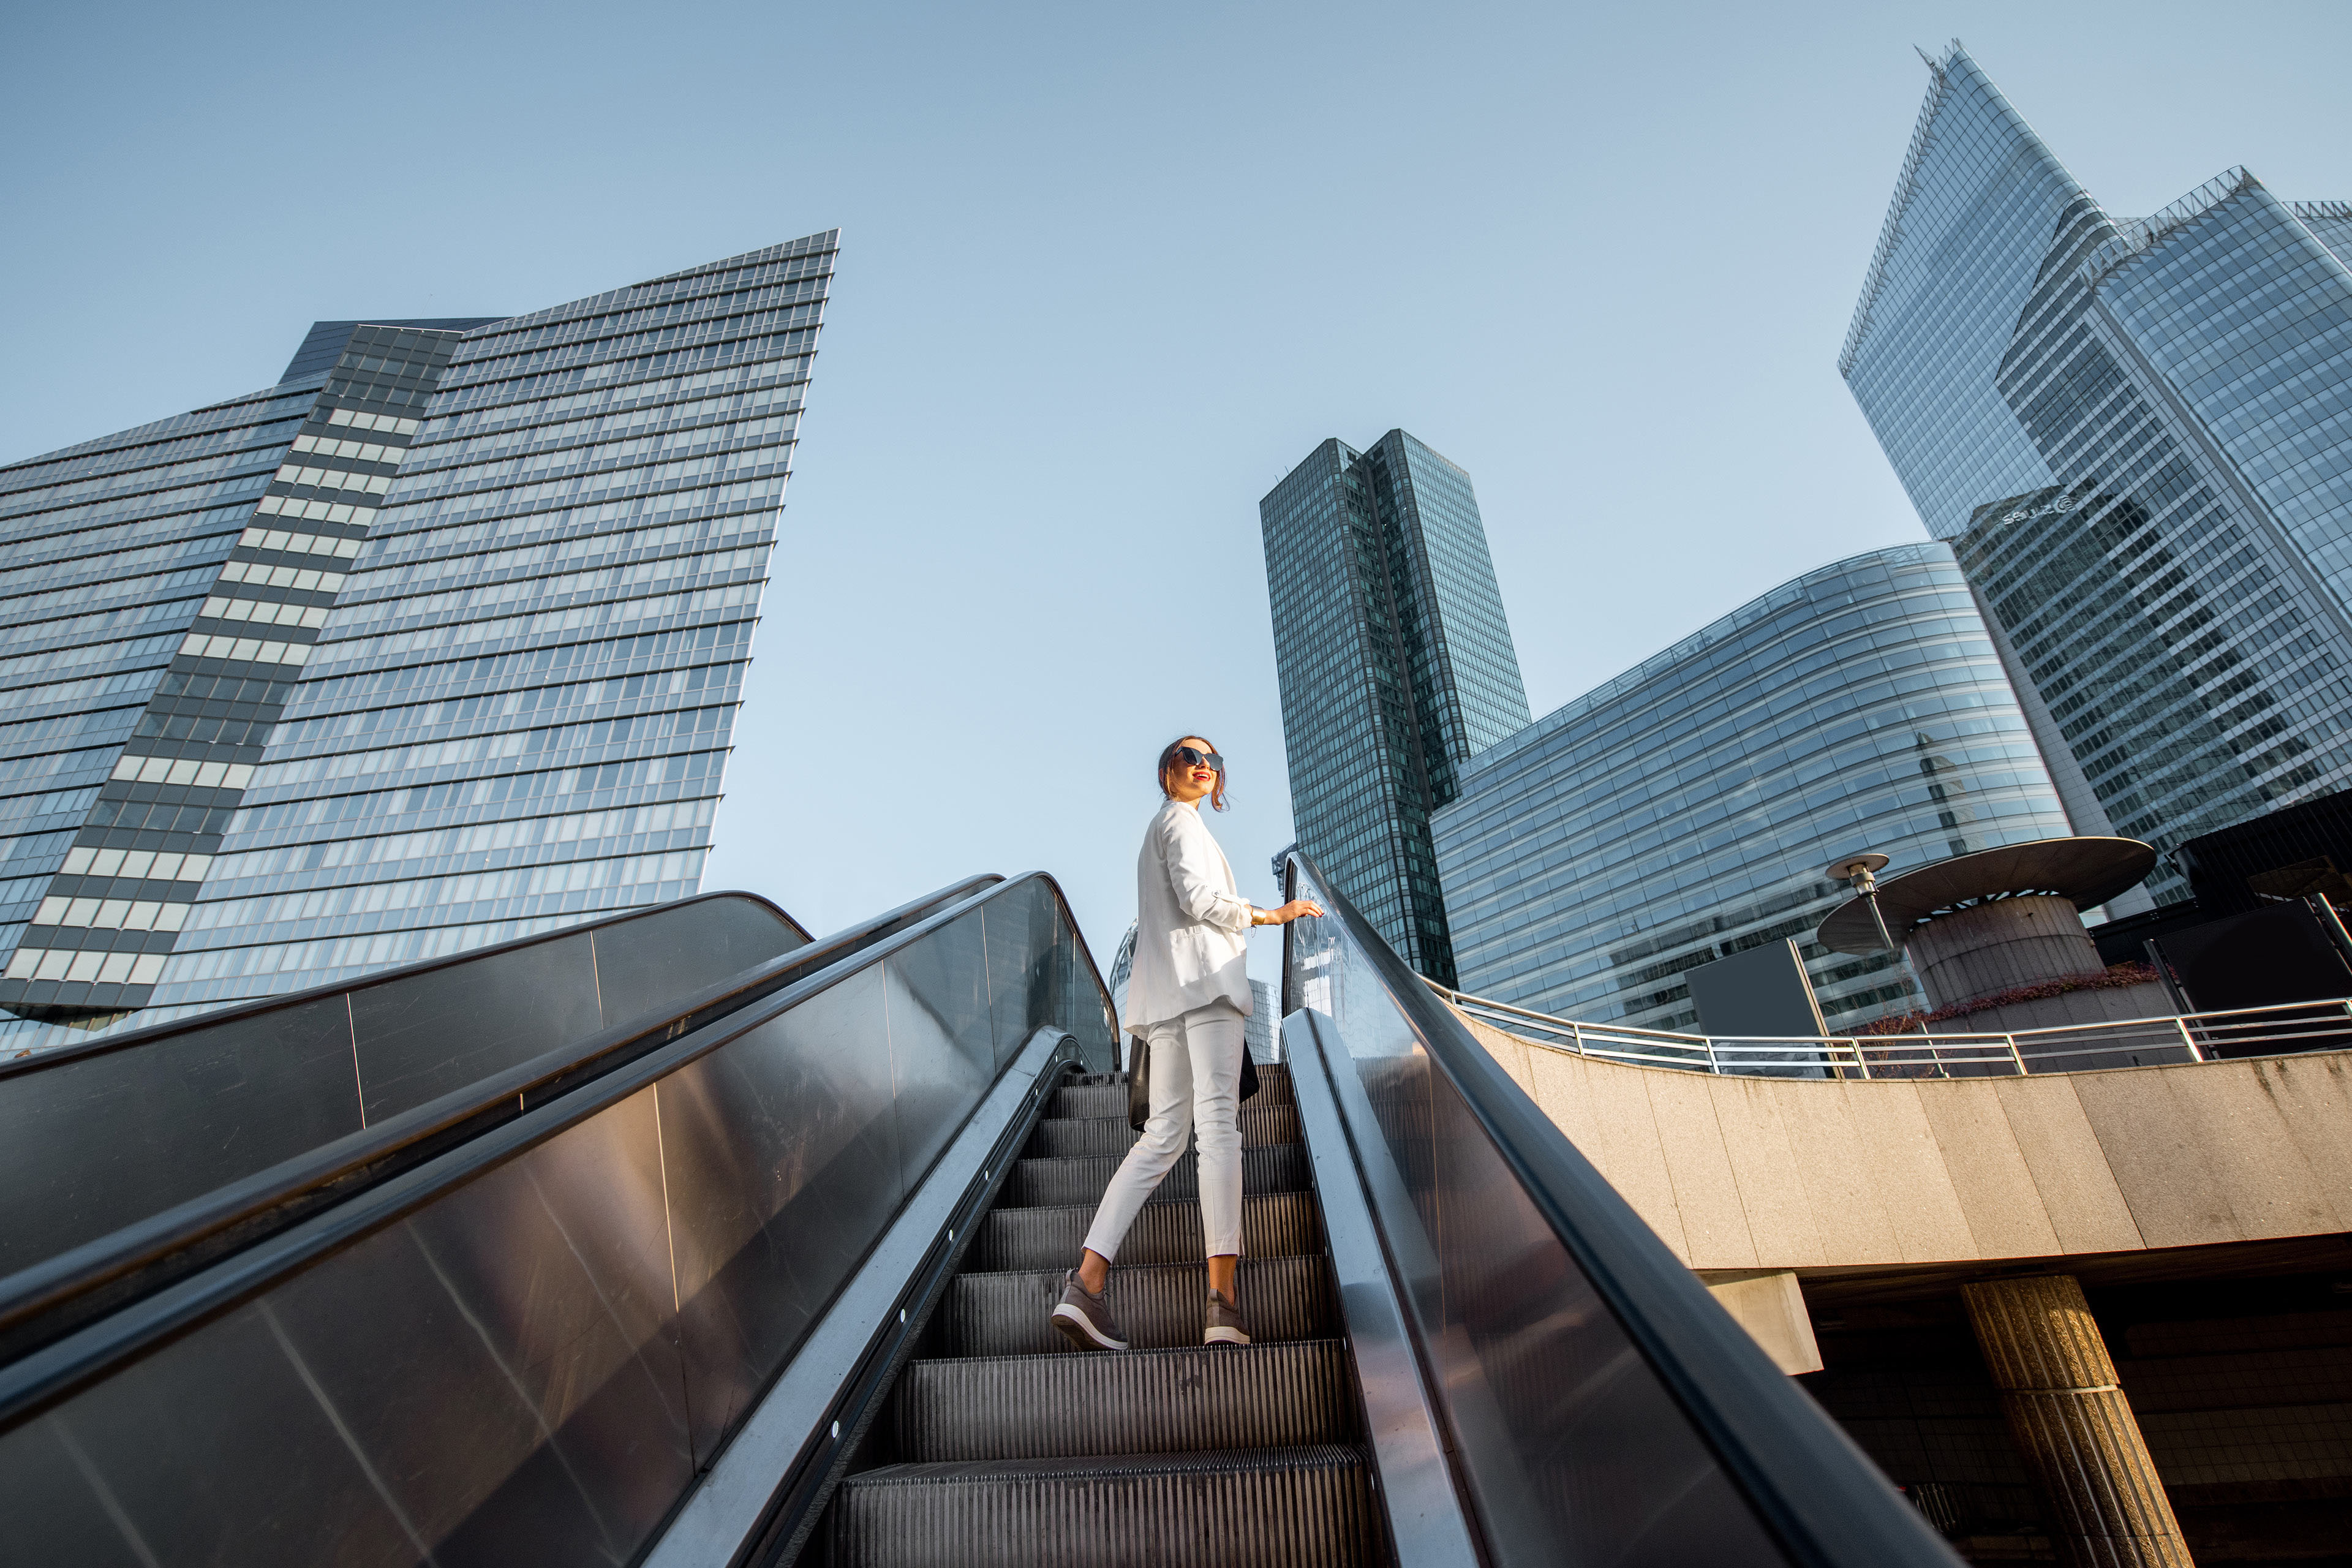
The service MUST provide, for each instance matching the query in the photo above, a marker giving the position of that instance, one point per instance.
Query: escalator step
(1274, 1224)
(1159, 1305)
(1145, 1402)
(1099, 1095)
(1079, 1098)
(1078, 1138)
(1049, 1183)
(1282, 1508)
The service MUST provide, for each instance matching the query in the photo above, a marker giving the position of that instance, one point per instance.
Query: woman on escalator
(1187, 997)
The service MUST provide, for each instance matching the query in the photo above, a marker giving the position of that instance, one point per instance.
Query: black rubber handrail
(66, 1056)
(32, 1382)
(50, 1298)
(1815, 1491)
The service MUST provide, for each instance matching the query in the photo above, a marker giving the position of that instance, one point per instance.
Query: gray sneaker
(1085, 1319)
(1227, 1325)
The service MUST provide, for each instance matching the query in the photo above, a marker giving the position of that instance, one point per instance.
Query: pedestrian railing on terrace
(2071, 1047)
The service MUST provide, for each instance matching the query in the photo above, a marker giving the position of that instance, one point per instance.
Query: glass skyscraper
(436, 642)
(1396, 668)
(2138, 436)
(1686, 810)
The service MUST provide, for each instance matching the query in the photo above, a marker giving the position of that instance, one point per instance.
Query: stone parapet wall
(1819, 1174)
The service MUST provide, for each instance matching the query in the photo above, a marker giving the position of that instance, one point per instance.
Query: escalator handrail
(35, 1382)
(50, 1298)
(1815, 1491)
(66, 1056)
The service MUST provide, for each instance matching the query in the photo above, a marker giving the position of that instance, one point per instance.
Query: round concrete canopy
(2089, 871)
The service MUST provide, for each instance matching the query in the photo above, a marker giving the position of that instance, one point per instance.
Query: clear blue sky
(1107, 271)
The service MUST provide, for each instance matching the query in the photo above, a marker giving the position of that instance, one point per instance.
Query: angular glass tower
(1396, 666)
(435, 643)
(2138, 436)
(1685, 811)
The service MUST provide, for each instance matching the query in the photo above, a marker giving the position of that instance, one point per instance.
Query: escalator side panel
(458, 1343)
(103, 1508)
(416, 1041)
(375, 1405)
(1600, 1407)
(644, 965)
(1082, 997)
(1570, 1447)
(943, 1053)
(1582, 1452)
(788, 1152)
(418, 1038)
(85, 1151)
(782, 1155)
(769, 1485)
(102, 1138)
(1023, 932)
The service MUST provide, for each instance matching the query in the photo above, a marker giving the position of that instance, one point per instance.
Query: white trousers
(1196, 1071)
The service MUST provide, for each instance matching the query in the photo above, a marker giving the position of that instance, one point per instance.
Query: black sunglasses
(1193, 758)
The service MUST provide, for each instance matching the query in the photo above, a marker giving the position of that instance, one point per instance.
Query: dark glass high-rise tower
(1396, 667)
(2136, 435)
(436, 643)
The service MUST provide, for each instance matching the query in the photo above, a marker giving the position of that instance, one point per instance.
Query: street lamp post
(1860, 873)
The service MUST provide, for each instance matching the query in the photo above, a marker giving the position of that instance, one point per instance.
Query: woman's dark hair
(1168, 763)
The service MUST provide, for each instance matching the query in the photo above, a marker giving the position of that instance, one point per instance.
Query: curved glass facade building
(2138, 436)
(1685, 810)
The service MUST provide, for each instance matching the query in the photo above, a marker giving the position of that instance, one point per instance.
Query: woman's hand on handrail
(1297, 909)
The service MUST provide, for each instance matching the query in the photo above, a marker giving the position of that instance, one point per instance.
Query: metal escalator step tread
(1068, 1137)
(1267, 1508)
(1107, 1089)
(1101, 1096)
(1274, 1224)
(1075, 1099)
(1145, 1402)
(1158, 1305)
(1052, 1184)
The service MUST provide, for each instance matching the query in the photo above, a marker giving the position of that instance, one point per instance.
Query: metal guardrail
(2280, 1030)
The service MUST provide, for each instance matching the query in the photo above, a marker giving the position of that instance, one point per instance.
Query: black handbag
(1139, 1080)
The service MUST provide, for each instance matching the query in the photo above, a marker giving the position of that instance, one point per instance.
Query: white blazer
(1191, 925)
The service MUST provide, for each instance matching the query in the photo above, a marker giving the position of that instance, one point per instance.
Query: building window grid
(746, 418)
(1545, 911)
(2225, 303)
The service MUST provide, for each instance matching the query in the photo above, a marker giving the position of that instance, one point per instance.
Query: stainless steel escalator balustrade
(1601, 1408)
(134, 1161)
(525, 1349)
(95, 1136)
